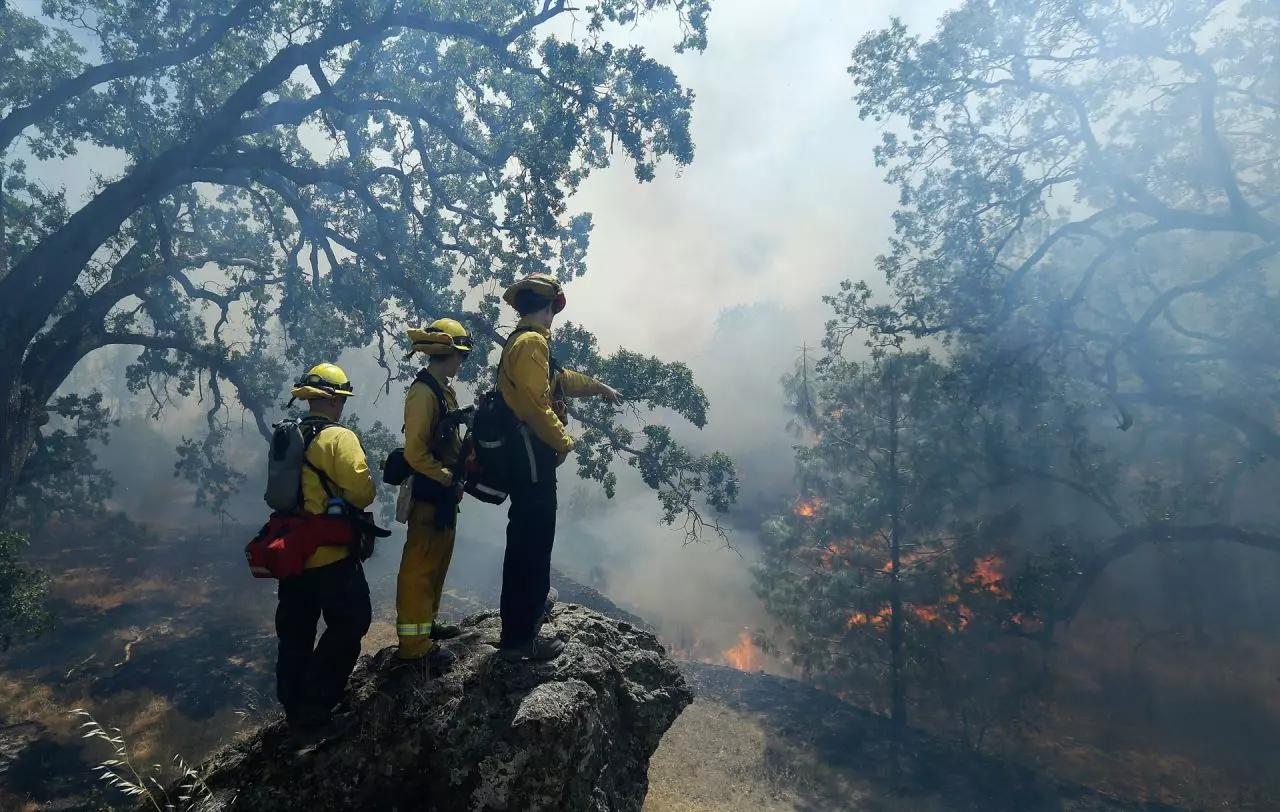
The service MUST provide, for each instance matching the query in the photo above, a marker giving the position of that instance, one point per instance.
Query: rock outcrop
(574, 734)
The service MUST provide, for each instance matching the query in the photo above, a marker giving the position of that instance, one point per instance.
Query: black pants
(316, 675)
(526, 567)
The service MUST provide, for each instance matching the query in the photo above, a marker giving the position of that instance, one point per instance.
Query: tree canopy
(302, 178)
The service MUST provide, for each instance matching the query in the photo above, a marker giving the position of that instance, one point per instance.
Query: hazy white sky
(782, 200)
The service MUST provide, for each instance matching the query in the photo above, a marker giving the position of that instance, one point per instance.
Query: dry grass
(714, 759)
(381, 634)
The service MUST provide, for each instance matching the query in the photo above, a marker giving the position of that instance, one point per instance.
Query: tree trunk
(898, 706)
(18, 430)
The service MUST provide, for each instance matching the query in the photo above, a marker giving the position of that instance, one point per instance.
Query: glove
(561, 457)
(446, 517)
(447, 509)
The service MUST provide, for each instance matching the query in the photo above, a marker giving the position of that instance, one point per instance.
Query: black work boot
(444, 631)
(552, 596)
(539, 648)
(308, 718)
(436, 661)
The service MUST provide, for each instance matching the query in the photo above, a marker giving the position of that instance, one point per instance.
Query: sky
(781, 202)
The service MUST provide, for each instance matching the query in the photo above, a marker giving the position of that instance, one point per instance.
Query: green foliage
(313, 176)
(22, 593)
(61, 476)
(146, 785)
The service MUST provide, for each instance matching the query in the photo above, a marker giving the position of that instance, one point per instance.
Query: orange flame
(693, 653)
(745, 656)
(879, 620)
(808, 509)
(987, 577)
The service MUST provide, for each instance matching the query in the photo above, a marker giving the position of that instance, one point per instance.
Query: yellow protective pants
(423, 566)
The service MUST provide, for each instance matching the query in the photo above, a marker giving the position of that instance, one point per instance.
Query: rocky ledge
(572, 734)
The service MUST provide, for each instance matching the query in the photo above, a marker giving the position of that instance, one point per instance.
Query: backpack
(281, 548)
(503, 446)
(396, 469)
(290, 439)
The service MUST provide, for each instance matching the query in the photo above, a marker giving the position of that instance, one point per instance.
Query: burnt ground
(849, 738)
(171, 639)
(167, 636)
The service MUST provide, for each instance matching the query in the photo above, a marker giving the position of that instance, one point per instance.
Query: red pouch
(280, 550)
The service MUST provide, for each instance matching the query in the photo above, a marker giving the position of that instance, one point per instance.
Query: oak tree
(295, 179)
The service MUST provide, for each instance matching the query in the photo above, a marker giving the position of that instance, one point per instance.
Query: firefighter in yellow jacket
(433, 451)
(311, 677)
(533, 388)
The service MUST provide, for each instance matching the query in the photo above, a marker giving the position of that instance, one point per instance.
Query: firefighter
(532, 388)
(311, 677)
(433, 451)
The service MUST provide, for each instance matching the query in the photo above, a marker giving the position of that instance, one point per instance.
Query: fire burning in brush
(694, 652)
(880, 620)
(809, 508)
(984, 577)
(744, 656)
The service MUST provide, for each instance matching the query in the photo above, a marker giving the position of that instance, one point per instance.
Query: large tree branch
(53, 355)
(208, 357)
(20, 118)
(1215, 147)
(44, 276)
(1127, 186)
(295, 111)
(1260, 434)
(1016, 475)
(1163, 301)
(1124, 543)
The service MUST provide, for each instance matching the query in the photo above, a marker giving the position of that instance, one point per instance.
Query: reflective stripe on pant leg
(423, 566)
(413, 606)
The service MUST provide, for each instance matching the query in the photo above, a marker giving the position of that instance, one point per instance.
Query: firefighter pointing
(531, 386)
(432, 448)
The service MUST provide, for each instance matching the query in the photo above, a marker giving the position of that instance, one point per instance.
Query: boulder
(575, 733)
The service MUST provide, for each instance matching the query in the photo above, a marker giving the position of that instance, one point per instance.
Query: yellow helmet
(542, 285)
(323, 381)
(440, 337)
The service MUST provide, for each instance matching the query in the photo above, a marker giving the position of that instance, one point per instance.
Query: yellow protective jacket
(526, 386)
(421, 411)
(337, 452)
